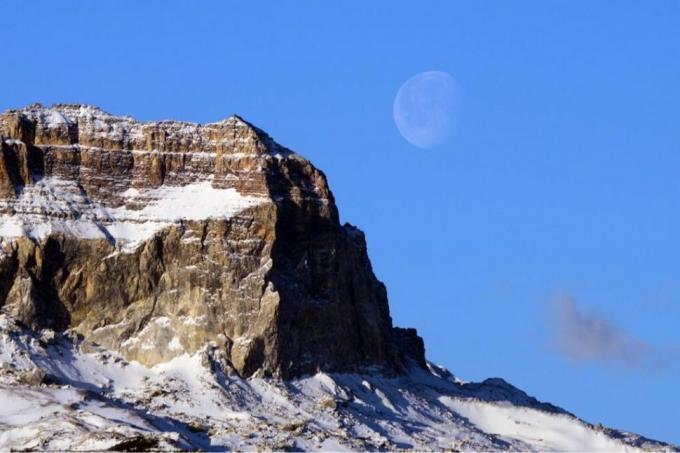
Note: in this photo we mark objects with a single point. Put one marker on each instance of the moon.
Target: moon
(425, 108)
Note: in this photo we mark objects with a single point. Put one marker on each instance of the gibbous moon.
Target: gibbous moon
(425, 108)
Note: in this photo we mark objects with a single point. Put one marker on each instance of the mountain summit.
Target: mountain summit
(194, 280)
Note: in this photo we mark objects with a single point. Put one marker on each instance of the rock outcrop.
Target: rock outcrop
(153, 239)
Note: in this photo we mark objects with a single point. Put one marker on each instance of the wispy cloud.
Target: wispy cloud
(583, 337)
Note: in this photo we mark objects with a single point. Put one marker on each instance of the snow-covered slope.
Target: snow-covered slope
(58, 392)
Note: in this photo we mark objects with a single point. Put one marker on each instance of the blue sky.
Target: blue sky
(540, 243)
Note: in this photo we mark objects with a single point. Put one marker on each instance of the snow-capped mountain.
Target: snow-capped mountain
(173, 285)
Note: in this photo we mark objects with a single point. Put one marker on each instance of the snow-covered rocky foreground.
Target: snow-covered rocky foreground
(59, 393)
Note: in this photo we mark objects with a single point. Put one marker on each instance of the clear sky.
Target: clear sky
(540, 243)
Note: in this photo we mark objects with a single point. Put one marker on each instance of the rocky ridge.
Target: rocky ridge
(157, 239)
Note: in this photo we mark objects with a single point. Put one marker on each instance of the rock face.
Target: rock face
(153, 239)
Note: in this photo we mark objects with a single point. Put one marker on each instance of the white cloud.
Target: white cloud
(589, 337)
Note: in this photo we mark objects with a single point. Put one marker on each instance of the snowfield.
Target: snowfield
(60, 393)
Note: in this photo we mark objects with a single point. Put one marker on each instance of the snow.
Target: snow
(56, 205)
(532, 427)
(10, 228)
(55, 118)
(175, 344)
(196, 201)
(97, 400)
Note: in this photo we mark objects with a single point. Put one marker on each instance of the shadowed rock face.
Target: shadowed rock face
(154, 239)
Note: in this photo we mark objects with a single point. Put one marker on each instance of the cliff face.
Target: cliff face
(154, 239)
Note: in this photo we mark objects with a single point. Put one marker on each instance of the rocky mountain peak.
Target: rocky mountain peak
(156, 239)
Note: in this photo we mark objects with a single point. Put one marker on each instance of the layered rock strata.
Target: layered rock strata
(154, 239)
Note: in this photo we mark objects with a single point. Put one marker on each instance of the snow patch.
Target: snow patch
(55, 205)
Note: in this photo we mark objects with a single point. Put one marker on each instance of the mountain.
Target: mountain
(175, 285)
(154, 239)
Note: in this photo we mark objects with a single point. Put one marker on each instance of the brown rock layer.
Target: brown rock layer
(280, 285)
